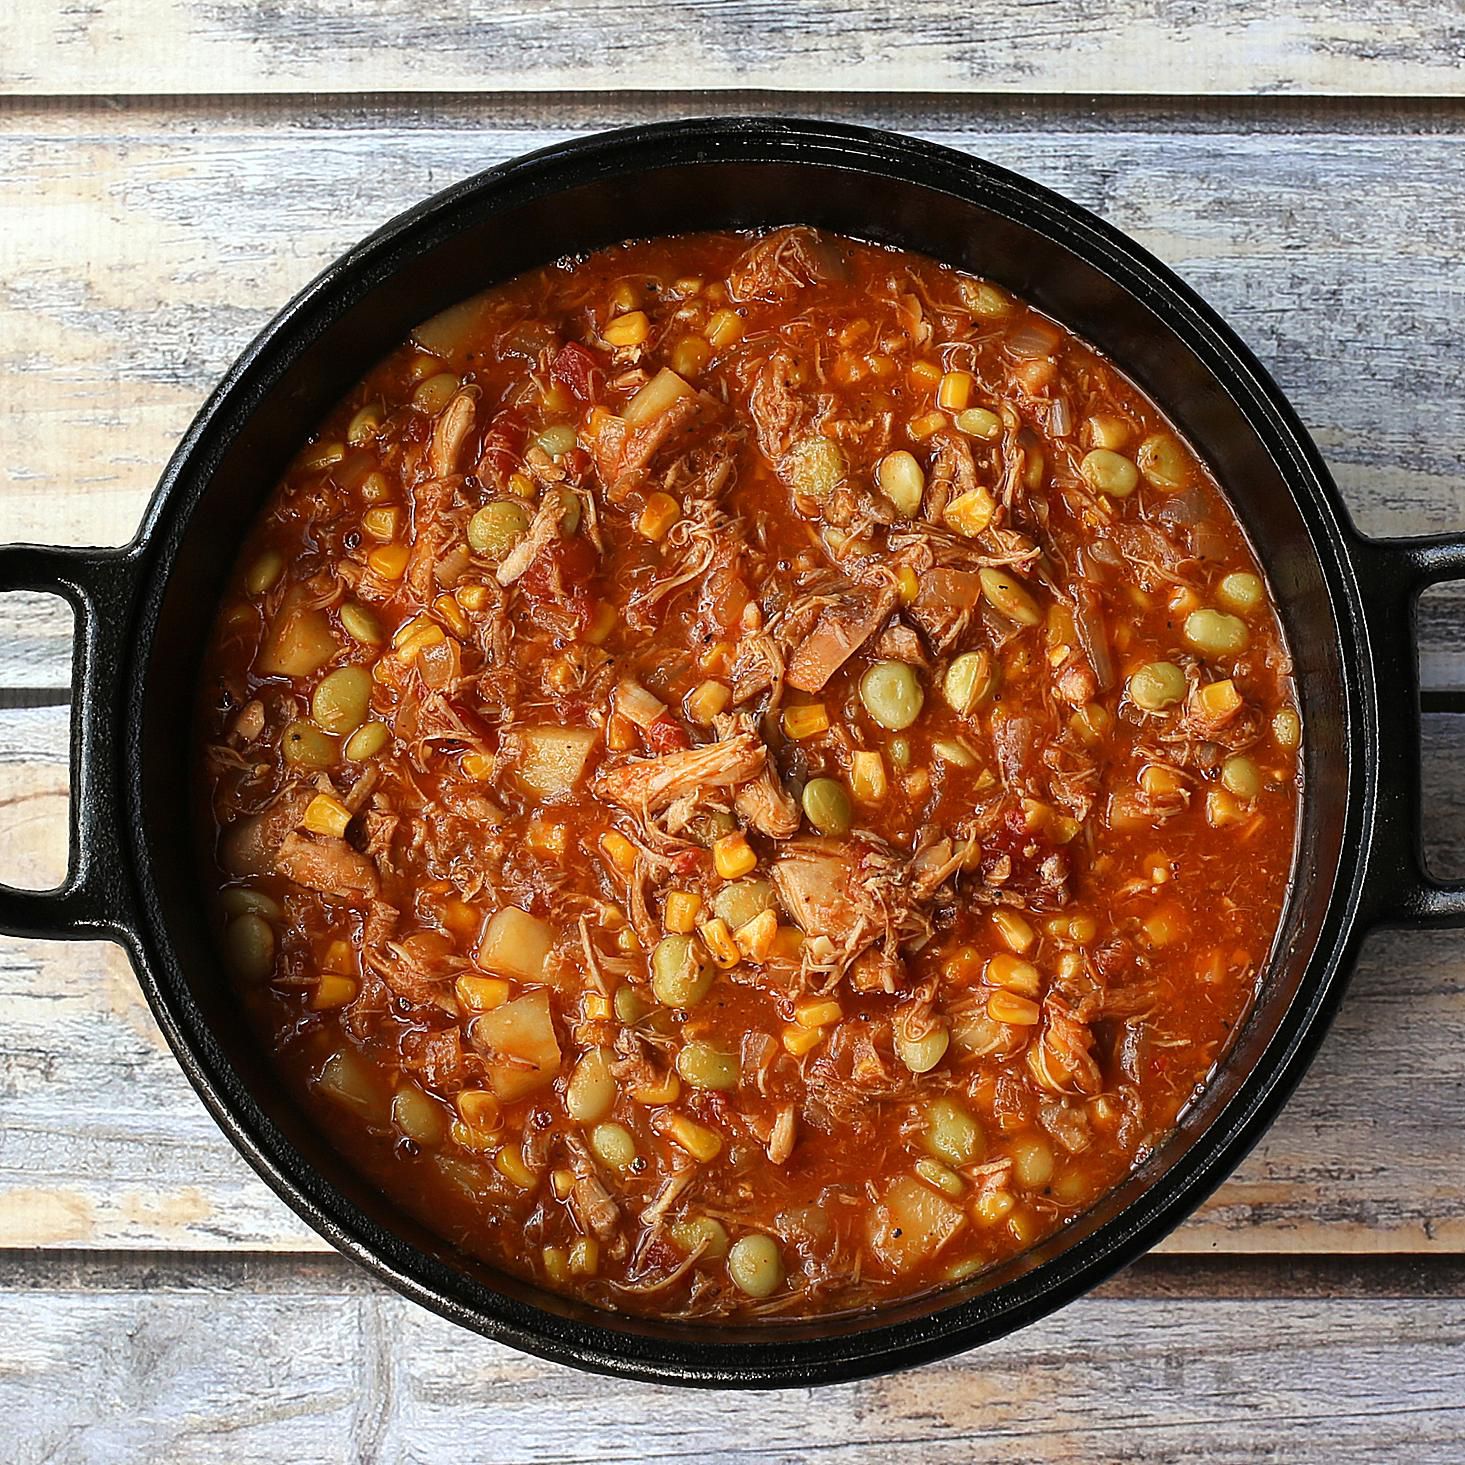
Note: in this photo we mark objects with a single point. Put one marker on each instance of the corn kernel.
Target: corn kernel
(733, 857)
(710, 698)
(602, 623)
(666, 1090)
(338, 958)
(805, 721)
(717, 659)
(1015, 932)
(1005, 1006)
(478, 1140)
(509, 1162)
(585, 1257)
(389, 561)
(1082, 929)
(817, 1012)
(1160, 782)
(971, 513)
(477, 766)
(448, 608)
(1014, 974)
(755, 938)
(471, 597)
(382, 523)
(326, 814)
(955, 390)
(596, 1006)
(660, 513)
(867, 779)
(993, 1206)
(696, 1139)
(480, 1110)
(922, 427)
(561, 1183)
(332, 990)
(481, 994)
(620, 733)
(717, 937)
(521, 485)
(907, 586)
(798, 1041)
(556, 1262)
(725, 327)
(690, 355)
(681, 912)
(1219, 699)
(1222, 808)
(628, 943)
(926, 373)
(788, 944)
(619, 851)
(626, 295)
(630, 329)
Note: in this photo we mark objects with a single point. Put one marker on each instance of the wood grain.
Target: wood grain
(138, 47)
(157, 242)
(311, 1360)
(106, 1145)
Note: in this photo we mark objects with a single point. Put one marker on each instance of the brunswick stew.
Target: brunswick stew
(747, 774)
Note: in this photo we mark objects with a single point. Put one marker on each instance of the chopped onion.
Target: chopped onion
(1060, 418)
(1032, 339)
(635, 702)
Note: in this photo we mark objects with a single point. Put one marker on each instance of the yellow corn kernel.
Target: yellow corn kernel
(707, 701)
(1016, 933)
(480, 1110)
(326, 814)
(448, 608)
(332, 990)
(509, 1162)
(717, 659)
(993, 1206)
(788, 944)
(867, 779)
(926, 373)
(817, 1012)
(805, 721)
(478, 1140)
(660, 513)
(521, 485)
(1009, 1007)
(602, 623)
(409, 630)
(1160, 782)
(630, 329)
(755, 938)
(717, 937)
(681, 912)
(1082, 929)
(596, 1006)
(1014, 974)
(389, 561)
(477, 766)
(626, 295)
(907, 586)
(666, 1090)
(1219, 699)
(382, 523)
(421, 638)
(696, 1139)
(556, 399)
(585, 1257)
(690, 355)
(725, 327)
(471, 597)
(1222, 808)
(619, 851)
(798, 1041)
(628, 943)
(955, 391)
(339, 957)
(481, 994)
(922, 427)
(561, 1183)
(547, 837)
(733, 857)
(971, 513)
(620, 733)
(556, 1263)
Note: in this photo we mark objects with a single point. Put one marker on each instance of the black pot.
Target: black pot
(143, 612)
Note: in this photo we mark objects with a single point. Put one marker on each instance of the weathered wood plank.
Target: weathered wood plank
(106, 1146)
(142, 47)
(318, 1362)
(1335, 245)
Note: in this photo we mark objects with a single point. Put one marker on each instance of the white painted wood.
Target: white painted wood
(142, 47)
(232, 1364)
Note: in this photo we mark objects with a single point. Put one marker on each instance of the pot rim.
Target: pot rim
(669, 1354)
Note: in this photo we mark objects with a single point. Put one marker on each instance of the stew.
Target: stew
(747, 774)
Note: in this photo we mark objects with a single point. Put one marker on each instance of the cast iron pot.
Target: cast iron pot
(142, 613)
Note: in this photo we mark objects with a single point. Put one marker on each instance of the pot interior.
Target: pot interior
(999, 229)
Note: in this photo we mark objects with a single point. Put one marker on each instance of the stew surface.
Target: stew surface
(747, 774)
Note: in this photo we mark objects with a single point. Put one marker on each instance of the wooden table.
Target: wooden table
(170, 171)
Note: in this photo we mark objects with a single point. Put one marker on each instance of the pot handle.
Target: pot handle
(93, 902)
(1393, 573)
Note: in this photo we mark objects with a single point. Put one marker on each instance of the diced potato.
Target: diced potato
(450, 330)
(351, 1080)
(550, 761)
(299, 642)
(519, 1042)
(912, 1224)
(515, 944)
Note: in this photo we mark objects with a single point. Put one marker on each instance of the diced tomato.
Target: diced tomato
(687, 862)
(576, 368)
(569, 564)
(503, 451)
(666, 735)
